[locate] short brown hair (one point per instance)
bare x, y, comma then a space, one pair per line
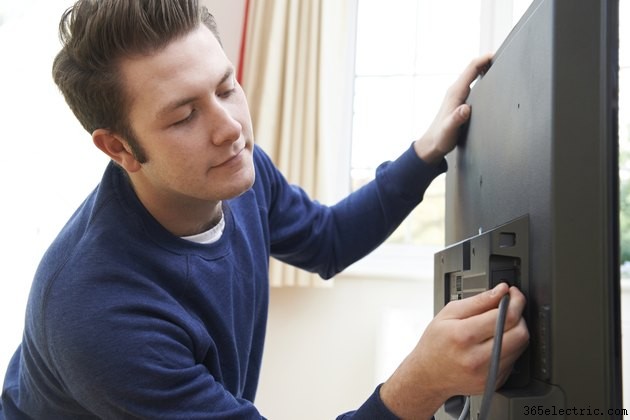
96, 34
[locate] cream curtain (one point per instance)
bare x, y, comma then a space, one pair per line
292, 49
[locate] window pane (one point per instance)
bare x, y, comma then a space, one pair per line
408, 53
519, 8
386, 34
428, 94
383, 114
425, 225
447, 40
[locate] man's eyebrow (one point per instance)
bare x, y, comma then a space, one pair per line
228, 73
173, 105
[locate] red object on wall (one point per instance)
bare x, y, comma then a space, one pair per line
241, 57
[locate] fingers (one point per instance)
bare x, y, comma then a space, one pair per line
462, 113
453, 122
479, 313
456, 348
515, 309
459, 90
441, 137
477, 67
514, 316
515, 341
474, 305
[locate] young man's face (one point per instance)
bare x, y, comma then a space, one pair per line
191, 118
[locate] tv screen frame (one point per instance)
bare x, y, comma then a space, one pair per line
542, 143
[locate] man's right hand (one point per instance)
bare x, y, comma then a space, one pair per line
453, 355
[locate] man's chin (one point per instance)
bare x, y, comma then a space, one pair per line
241, 186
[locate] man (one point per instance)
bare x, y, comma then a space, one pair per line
152, 301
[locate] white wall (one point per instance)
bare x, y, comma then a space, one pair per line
327, 349
230, 17
48, 163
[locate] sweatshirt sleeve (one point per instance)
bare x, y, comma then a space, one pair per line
327, 239
372, 408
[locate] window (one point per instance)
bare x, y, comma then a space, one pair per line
408, 52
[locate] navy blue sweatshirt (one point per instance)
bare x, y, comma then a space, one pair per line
125, 320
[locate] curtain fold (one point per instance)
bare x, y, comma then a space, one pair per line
284, 63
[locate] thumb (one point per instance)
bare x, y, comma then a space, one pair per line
460, 115
453, 122
474, 305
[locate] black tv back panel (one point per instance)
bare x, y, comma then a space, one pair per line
542, 145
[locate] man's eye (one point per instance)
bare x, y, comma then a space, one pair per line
187, 119
227, 93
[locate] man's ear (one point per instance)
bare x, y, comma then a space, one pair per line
116, 148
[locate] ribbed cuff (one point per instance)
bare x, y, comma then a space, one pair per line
409, 175
380, 405
372, 409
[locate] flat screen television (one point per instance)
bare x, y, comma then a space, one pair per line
532, 199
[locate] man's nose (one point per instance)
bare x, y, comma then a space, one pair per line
223, 126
